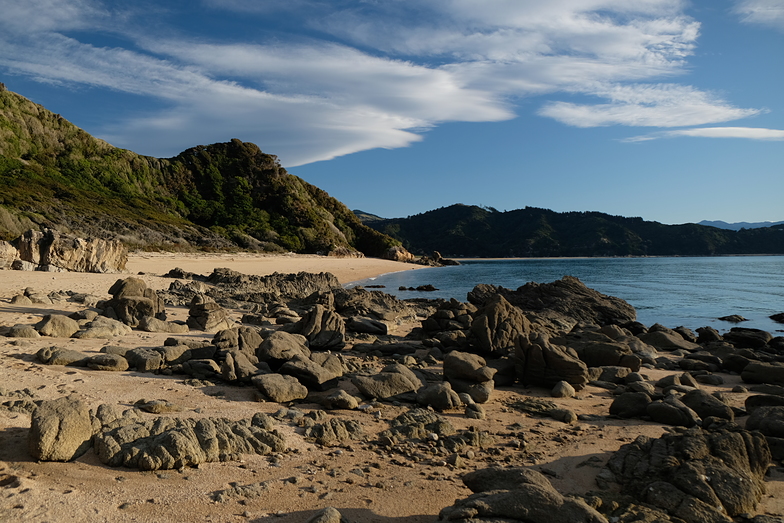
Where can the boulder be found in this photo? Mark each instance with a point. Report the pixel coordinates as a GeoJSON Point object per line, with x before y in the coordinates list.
{"type": "Point", "coordinates": [108, 362]}
{"type": "Point", "coordinates": [668, 341]}
{"type": "Point", "coordinates": [496, 326]}
{"type": "Point", "coordinates": [744, 338]}
{"type": "Point", "coordinates": [151, 324]}
{"type": "Point", "coordinates": [567, 296]}
{"type": "Point", "coordinates": [206, 315]}
{"type": "Point", "coordinates": [280, 388]}
{"type": "Point", "coordinates": [340, 399]}
{"type": "Point", "coordinates": [280, 347]}
{"type": "Point", "coordinates": [439, 396]}
{"type": "Point", "coordinates": [696, 475]}
{"type": "Point", "coordinates": [144, 360]}
{"type": "Point", "coordinates": [57, 326]}
{"type": "Point", "coordinates": [324, 329]}
{"type": "Point", "coordinates": [23, 331]}
{"type": "Point", "coordinates": [328, 515]}
{"type": "Point", "coordinates": [103, 328]}
{"type": "Point", "coordinates": [672, 411]}
{"type": "Point", "coordinates": [630, 405]}
{"type": "Point", "coordinates": [707, 405]}
{"type": "Point", "coordinates": [514, 496]}
{"type": "Point", "coordinates": [393, 380]}
{"type": "Point", "coordinates": [562, 389]}
{"type": "Point", "coordinates": [398, 253]}
{"type": "Point", "coordinates": [366, 326]}
{"type": "Point", "coordinates": [60, 430]}
{"type": "Point", "coordinates": [8, 254]}
{"type": "Point", "coordinates": [378, 305]}
{"type": "Point", "coordinates": [238, 367]}
{"type": "Point", "coordinates": [335, 432]}
{"type": "Point", "coordinates": [60, 356]}
{"type": "Point", "coordinates": [539, 362]}
{"type": "Point", "coordinates": [760, 372]}
{"type": "Point", "coordinates": [311, 374]}
{"type": "Point", "coordinates": [169, 443]}
{"type": "Point", "coordinates": [54, 249]}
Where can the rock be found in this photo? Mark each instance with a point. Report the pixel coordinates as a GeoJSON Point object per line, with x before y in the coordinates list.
{"type": "Point", "coordinates": [708, 335]}
{"type": "Point", "coordinates": [8, 254]}
{"type": "Point", "coordinates": [630, 405]}
{"type": "Point", "coordinates": [398, 253]}
{"type": "Point", "coordinates": [108, 362]}
{"type": "Point", "coordinates": [735, 318]}
{"type": "Point", "coordinates": [57, 326]}
{"type": "Point", "coordinates": [707, 405]}
{"type": "Point", "coordinates": [324, 329]}
{"type": "Point", "coordinates": [103, 328]}
{"type": "Point", "coordinates": [60, 356]}
{"type": "Point", "coordinates": [568, 296]}
{"type": "Point", "coordinates": [439, 396]}
{"type": "Point", "coordinates": [496, 326]}
{"type": "Point", "coordinates": [238, 367]}
{"type": "Point", "coordinates": [366, 325]}
{"type": "Point", "coordinates": [538, 362]}
{"type": "Point", "coordinates": [144, 360]}
{"type": "Point", "coordinates": [206, 315]}
{"type": "Point", "coordinates": [393, 380]}
{"type": "Point", "coordinates": [169, 443]}
{"type": "Point", "coordinates": [495, 478]}
{"type": "Point", "coordinates": [60, 430]}
{"type": "Point", "coordinates": [475, 411]}
{"type": "Point", "coordinates": [748, 338]}
{"type": "Point", "coordinates": [330, 514]}
{"type": "Point", "coordinates": [759, 372]}
{"type": "Point", "coordinates": [375, 304]}
{"type": "Point", "coordinates": [335, 432]}
{"type": "Point", "coordinates": [21, 300]}
{"type": "Point", "coordinates": [280, 388]}
{"type": "Point", "coordinates": [280, 347]}
{"type": "Point", "coordinates": [465, 366]}
{"type": "Point", "coordinates": [755, 402]}
{"type": "Point", "coordinates": [340, 399]}
{"type": "Point", "coordinates": [531, 499]}
{"type": "Point", "coordinates": [311, 374]}
{"type": "Point", "coordinates": [778, 317]}
{"type": "Point", "coordinates": [696, 475]}
{"type": "Point", "coordinates": [23, 331]}
{"type": "Point", "coordinates": [55, 249]}
{"type": "Point", "coordinates": [667, 341]}
{"type": "Point", "coordinates": [672, 411]}
{"type": "Point", "coordinates": [151, 324]}
{"type": "Point", "coordinates": [273, 287]}
{"type": "Point", "coordinates": [562, 389]}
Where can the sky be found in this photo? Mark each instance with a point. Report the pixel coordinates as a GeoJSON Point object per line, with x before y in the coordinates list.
{"type": "Point", "coordinates": [671, 110]}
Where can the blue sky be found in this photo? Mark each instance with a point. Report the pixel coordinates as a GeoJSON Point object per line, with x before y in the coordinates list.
{"type": "Point", "coordinates": [671, 110]}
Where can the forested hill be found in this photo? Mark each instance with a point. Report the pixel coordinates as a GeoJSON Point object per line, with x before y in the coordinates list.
{"type": "Point", "coordinates": [53, 174]}
{"type": "Point", "coordinates": [471, 231]}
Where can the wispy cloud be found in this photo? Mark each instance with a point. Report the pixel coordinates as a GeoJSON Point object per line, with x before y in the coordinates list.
{"type": "Point", "coordinates": [363, 74]}
{"type": "Point", "coordinates": [764, 12]}
{"type": "Point", "coordinates": [750, 133]}
{"type": "Point", "coordinates": [661, 105]}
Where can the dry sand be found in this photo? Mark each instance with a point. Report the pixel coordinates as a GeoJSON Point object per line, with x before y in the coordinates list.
{"type": "Point", "coordinates": [363, 481]}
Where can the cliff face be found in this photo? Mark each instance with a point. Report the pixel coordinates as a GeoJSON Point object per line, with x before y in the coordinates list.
{"type": "Point", "coordinates": [463, 230]}
{"type": "Point", "coordinates": [53, 174]}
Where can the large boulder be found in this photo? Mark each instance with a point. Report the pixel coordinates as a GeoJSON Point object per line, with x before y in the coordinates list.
{"type": "Point", "coordinates": [516, 495]}
{"type": "Point", "coordinates": [132, 301]}
{"type": "Point", "coordinates": [169, 443]}
{"type": "Point", "coordinates": [280, 388]}
{"type": "Point", "coordinates": [206, 315]}
{"type": "Point", "coordinates": [280, 346]}
{"type": "Point", "coordinates": [314, 375]}
{"type": "Point", "coordinates": [57, 326]}
{"type": "Point", "coordinates": [568, 296]}
{"type": "Point", "coordinates": [668, 341]}
{"type": "Point", "coordinates": [324, 329]}
{"type": "Point", "coordinates": [470, 374]}
{"type": "Point", "coordinates": [60, 430]}
{"type": "Point", "coordinates": [393, 380]}
{"type": "Point", "coordinates": [539, 362]}
{"type": "Point", "coordinates": [8, 254]}
{"type": "Point", "coordinates": [696, 475]}
{"type": "Point", "coordinates": [759, 372]}
{"type": "Point", "coordinates": [54, 249]}
{"type": "Point", "coordinates": [497, 325]}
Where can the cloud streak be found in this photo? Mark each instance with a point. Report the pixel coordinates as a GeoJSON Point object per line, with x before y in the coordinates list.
{"type": "Point", "coordinates": [365, 75]}
{"type": "Point", "coordinates": [749, 133]}
{"type": "Point", "coordinates": [763, 12]}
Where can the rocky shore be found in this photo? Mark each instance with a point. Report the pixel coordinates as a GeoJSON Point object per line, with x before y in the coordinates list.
{"type": "Point", "coordinates": [224, 396]}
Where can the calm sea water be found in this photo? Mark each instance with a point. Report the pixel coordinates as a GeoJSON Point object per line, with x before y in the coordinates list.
{"type": "Point", "coordinates": [693, 292]}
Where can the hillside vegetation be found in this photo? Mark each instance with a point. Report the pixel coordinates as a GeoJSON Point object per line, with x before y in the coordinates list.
{"type": "Point", "coordinates": [53, 174]}
{"type": "Point", "coordinates": [464, 230]}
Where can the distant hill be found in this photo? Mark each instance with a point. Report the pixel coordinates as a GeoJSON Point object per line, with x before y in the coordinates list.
{"type": "Point", "coordinates": [366, 217]}
{"type": "Point", "coordinates": [738, 225]}
{"type": "Point", "coordinates": [225, 195]}
{"type": "Point", "coordinates": [471, 231]}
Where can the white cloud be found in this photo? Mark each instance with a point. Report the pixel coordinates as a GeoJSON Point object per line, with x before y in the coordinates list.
{"type": "Point", "coordinates": [660, 105]}
{"type": "Point", "coordinates": [750, 133]}
{"type": "Point", "coordinates": [764, 12]}
{"type": "Point", "coordinates": [366, 74]}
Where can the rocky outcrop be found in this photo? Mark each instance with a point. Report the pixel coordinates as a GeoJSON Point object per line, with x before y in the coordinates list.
{"type": "Point", "coordinates": [53, 249]}
{"type": "Point", "coordinates": [393, 380]}
{"type": "Point", "coordinates": [324, 329]}
{"type": "Point", "coordinates": [470, 374]}
{"type": "Point", "coordinates": [206, 315]}
{"type": "Point", "coordinates": [274, 287]}
{"type": "Point", "coordinates": [60, 430]}
{"type": "Point", "coordinates": [497, 325]}
{"type": "Point", "coordinates": [539, 362]}
{"type": "Point", "coordinates": [377, 305]}
{"type": "Point", "coordinates": [567, 296]}
{"type": "Point", "coordinates": [398, 253]}
{"type": "Point", "coordinates": [516, 495]}
{"type": "Point", "coordinates": [696, 475]}
{"type": "Point", "coordinates": [169, 443]}
{"type": "Point", "coordinates": [8, 254]}
{"type": "Point", "coordinates": [132, 301]}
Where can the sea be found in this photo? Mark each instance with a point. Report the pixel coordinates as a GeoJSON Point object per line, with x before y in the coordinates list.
{"type": "Point", "coordinates": [672, 291]}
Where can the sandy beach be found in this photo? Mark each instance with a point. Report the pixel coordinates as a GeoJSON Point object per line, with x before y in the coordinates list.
{"type": "Point", "coordinates": [364, 481]}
